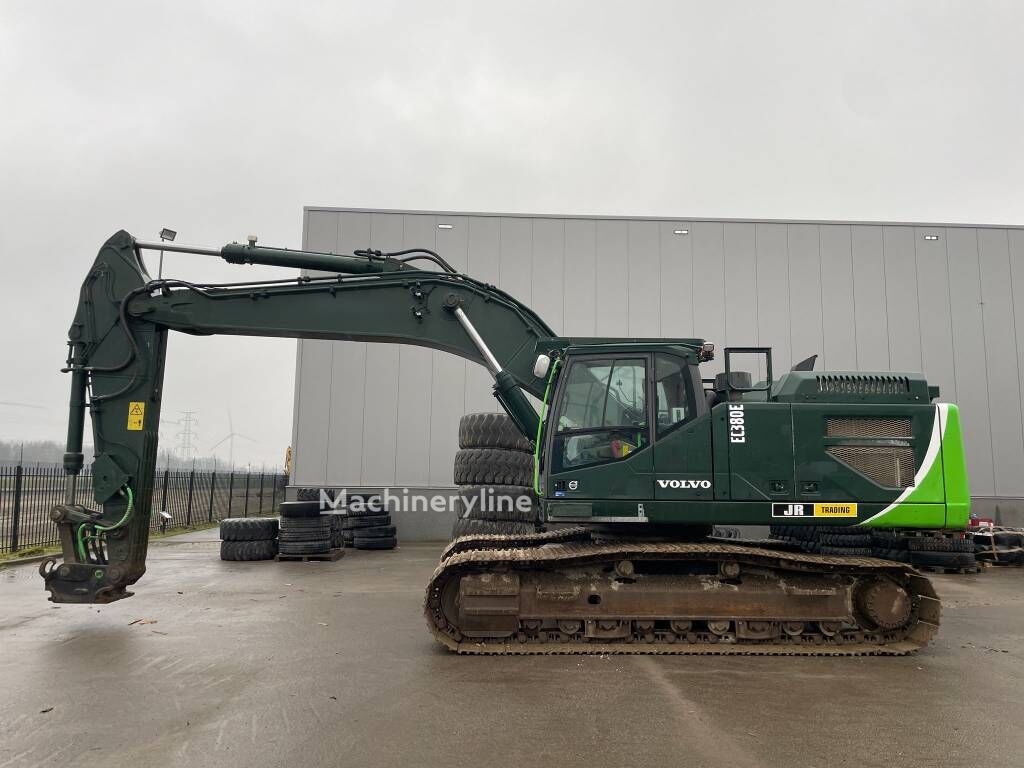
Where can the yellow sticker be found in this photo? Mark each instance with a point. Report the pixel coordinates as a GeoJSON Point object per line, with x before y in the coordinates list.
{"type": "Point", "coordinates": [136, 415]}
{"type": "Point", "coordinates": [835, 510]}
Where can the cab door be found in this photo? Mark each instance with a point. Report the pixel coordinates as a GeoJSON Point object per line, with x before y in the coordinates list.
{"type": "Point", "coordinates": [682, 432]}
{"type": "Point", "coordinates": [600, 436]}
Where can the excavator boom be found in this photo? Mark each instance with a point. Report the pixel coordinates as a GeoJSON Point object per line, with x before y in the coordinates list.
{"type": "Point", "coordinates": [117, 348]}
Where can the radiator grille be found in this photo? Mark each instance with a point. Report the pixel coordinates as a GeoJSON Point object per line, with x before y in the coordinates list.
{"type": "Point", "coordinates": [867, 426]}
{"type": "Point", "coordinates": [889, 466]}
{"type": "Point", "coordinates": [863, 385]}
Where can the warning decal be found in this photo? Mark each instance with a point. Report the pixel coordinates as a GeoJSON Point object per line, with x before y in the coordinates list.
{"type": "Point", "coordinates": [136, 415]}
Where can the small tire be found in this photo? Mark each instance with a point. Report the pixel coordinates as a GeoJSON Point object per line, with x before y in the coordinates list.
{"type": "Point", "coordinates": [320, 524]}
{"type": "Point", "coordinates": [368, 521]}
{"type": "Point", "coordinates": [308, 494]}
{"type": "Point", "coordinates": [378, 531]}
{"type": "Point", "coordinates": [244, 551]}
{"type": "Point", "coordinates": [853, 540]}
{"type": "Point", "coordinates": [491, 430]}
{"type": "Point", "coordinates": [363, 504]}
{"type": "Point", "coordinates": [939, 544]}
{"type": "Point", "coordinates": [941, 559]}
{"type": "Point", "coordinates": [248, 528]}
{"type": "Point", "coordinates": [321, 547]}
{"type": "Point", "coordinates": [888, 539]}
{"type": "Point", "coordinates": [300, 509]}
{"type": "Point", "coordinates": [375, 542]}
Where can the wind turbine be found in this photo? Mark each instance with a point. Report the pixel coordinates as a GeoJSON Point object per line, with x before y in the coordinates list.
{"type": "Point", "coordinates": [230, 440]}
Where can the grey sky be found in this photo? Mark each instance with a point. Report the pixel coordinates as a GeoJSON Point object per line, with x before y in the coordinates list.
{"type": "Point", "coordinates": [224, 119]}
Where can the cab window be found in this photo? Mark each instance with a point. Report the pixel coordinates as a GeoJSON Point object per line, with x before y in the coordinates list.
{"type": "Point", "coordinates": [603, 413]}
{"type": "Point", "coordinates": [672, 388]}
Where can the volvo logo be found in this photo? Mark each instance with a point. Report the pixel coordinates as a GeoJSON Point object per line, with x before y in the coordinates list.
{"type": "Point", "coordinates": [684, 483]}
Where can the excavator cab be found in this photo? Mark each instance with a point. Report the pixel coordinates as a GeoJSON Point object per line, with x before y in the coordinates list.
{"type": "Point", "coordinates": [621, 417]}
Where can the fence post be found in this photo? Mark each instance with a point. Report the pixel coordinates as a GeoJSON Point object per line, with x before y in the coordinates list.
{"type": "Point", "coordinates": [260, 497]}
{"type": "Point", "coordinates": [245, 507]}
{"type": "Point", "coordinates": [231, 490]}
{"type": "Point", "coordinates": [16, 514]}
{"type": "Point", "coordinates": [188, 506]}
{"type": "Point", "coordinates": [273, 494]}
{"type": "Point", "coordinates": [213, 484]}
{"type": "Point", "coordinates": [163, 501]}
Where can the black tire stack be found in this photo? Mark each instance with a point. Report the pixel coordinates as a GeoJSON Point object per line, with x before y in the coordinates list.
{"type": "Point", "coordinates": [248, 538]}
{"type": "Point", "coordinates": [942, 552]}
{"type": "Point", "coordinates": [848, 540]}
{"type": "Point", "coordinates": [304, 529]}
{"type": "Point", "coordinates": [998, 545]}
{"type": "Point", "coordinates": [367, 525]}
{"type": "Point", "coordinates": [494, 471]}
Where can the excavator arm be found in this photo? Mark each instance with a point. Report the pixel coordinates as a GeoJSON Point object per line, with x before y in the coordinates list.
{"type": "Point", "coordinates": [117, 348]}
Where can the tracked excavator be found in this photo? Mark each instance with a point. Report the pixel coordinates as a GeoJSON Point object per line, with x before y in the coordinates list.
{"type": "Point", "coordinates": [636, 457]}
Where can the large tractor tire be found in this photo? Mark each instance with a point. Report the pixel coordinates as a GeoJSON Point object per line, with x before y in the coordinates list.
{"type": "Point", "coordinates": [491, 430]}
{"type": "Point", "coordinates": [498, 503]}
{"type": "Point", "coordinates": [493, 466]}
{"type": "Point", "coordinates": [248, 528]}
{"type": "Point", "coordinates": [263, 549]}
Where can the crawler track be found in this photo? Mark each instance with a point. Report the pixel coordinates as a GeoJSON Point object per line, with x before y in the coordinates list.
{"type": "Point", "coordinates": [566, 593]}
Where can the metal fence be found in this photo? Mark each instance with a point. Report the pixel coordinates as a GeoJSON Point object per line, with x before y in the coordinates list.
{"type": "Point", "coordinates": [190, 498]}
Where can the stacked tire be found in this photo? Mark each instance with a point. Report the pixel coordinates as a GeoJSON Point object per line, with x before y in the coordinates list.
{"type": "Point", "coordinates": [941, 552]}
{"type": "Point", "coordinates": [248, 538]}
{"type": "Point", "coordinates": [846, 540]}
{"type": "Point", "coordinates": [367, 525]}
{"type": "Point", "coordinates": [494, 474]}
{"type": "Point", "coordinates": [998, 545]}
{"type": "Point", "coordinates": [304, 529]}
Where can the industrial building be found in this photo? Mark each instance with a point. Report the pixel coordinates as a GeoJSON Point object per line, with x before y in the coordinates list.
{"type": "Point", "coordinates": [939, 298]}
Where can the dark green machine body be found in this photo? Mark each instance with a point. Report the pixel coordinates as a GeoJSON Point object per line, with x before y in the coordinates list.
{"type": "Point", "coordinates": [820, 448]}
{"type": "Point", "coordinates": [629, 434]}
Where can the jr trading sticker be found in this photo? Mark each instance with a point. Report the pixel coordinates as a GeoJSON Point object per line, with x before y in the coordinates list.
{"type": "Point", "coordinates": [825, 509]}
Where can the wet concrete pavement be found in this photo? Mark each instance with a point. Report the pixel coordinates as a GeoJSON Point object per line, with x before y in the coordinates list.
{"type": "Point", "coordinates": [331, 664]}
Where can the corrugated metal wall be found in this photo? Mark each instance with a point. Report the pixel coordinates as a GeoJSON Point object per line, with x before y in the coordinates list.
{"type": "Point", "coordinates": [942, 299]}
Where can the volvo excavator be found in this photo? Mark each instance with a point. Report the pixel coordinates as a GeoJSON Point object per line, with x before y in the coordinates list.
{"type": "Point", "coordinates": [636, 457]}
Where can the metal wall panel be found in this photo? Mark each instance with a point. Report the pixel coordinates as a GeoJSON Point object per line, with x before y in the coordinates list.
{"type": "Point", "coordinates": [740, 254]}
{"type": "Point", "coordinates": [612, 268]}
{"type": "Point", "coordinates": [415, 380]}
{"type": "Point", "coordinates": [448, 395]}
{"type": "Point", "coordinates": [380, 431]}
{"type": "Point", "coordinates": [934, 305]}
{"type": "Point", "coordinates": [1016, 246]}
{"type": "Point", "coordinates": [347, 408]}
{"type": "Point", "coordinates": [805, 332]}
{"type": "Point", "coordinates": [969, 357]}
{"type": "Point", "coordinates": [1001, 360]}
{"type": "Point", "coordinates": [901, 298]}
{"type": "Point", "coordinates": [709, 285]}
{"type": "Point", "coordinates": [863, 296]}
{"type": "Point", "coordinates": [838, 329]}
{"type": "Point", "coordinates": [871, 318]}
{"type": "Point", "coordinates": [773, 292]}
{"type": "Point", "coordinates": [484, 264]}
{"type": "Point", "coordinates": [313, 359]}
{"type": "Point", "coordinates": [644, 279]}
{"type": "Point", "coordinates": [580, 308]}
{"type": "Point", "coordinates": [676, 261]}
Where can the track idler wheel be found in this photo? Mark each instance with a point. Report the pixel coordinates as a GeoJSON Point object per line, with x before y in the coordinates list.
{"type": "Point", "coordinates": [885, 604]}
